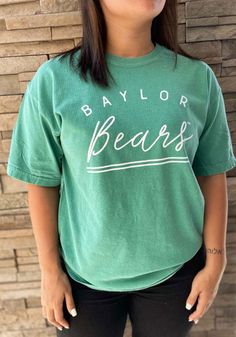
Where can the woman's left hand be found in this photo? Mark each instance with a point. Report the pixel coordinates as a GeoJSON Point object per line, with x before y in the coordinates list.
{"type": "Point", "coordinates": [204, 289]}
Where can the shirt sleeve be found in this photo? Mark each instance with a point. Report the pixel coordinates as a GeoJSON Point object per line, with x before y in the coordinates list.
{"type": "Point", "coordinates": [35, 152]}
{"type": "Point", "coordinates": [214, 154]}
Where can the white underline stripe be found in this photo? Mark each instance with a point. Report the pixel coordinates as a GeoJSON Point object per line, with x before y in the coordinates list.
{"type": "Point", "coordinates": [136, 161]}
{"type": "Point", "coordinates": [131, 166]}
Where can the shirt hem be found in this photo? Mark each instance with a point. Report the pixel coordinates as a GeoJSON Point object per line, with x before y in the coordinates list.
{"type": "Point", "coordinates": [130, 290]}
{"type": "Point", "coordinates": [216, 168]}
{"type": "Point", "coordinates": [19, 174]}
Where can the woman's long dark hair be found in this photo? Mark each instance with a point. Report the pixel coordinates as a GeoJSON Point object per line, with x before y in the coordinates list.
{"type": "Point", "coordinates": [94, 41]}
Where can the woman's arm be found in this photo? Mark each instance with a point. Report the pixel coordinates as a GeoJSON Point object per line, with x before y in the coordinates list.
{"type": "Point", "coordinates": [214, 189]}
{"type": "Point", "coordinates": [55, 285]}
{"type": "Point", "coordinates": [206, 282]}
{"type": "Point", "coordinates": [43, 207]}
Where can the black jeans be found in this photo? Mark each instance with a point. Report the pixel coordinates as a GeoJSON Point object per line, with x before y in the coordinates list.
{"type": "Point", "coordinates": [157, 311]}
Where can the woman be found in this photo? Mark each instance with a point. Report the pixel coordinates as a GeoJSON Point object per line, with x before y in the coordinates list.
{"type": "Point", "coordinates": [127, 192]}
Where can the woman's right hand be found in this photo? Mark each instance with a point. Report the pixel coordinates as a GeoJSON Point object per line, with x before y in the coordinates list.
{"type": "Point", "coordinates": [54, 288]}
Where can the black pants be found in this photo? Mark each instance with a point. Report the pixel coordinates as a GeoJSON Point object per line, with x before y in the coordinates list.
{"type": "Point", "coordinates": [157, 311]}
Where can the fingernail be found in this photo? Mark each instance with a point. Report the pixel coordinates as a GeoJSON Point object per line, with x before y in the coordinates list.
{"type": "Point", "coordinates": [59, 328]}
{"type": "Point", "coordinates": [188, 306]}
{"type": "Point", "coordinates": [196, 321]}
{"type": "Point", "coordinates": [67, 327]}
{"type": "Point", "coordinates": [73, 312]}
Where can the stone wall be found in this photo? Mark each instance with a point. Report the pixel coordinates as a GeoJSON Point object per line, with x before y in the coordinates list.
{"type": "Point", "coordinates": [30, 33]}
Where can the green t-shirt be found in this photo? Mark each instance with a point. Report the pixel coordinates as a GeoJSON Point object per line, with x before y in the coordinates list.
{"type": "Point", "coordinates": [131, 210]}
